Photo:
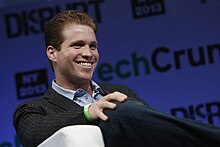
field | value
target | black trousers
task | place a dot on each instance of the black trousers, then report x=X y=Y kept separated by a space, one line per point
x=133 y=124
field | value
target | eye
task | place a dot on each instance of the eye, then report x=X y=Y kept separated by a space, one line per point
x=77 y=45
x=93 y=46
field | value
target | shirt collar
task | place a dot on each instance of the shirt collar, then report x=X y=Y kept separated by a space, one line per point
x=96 y=89
x=70 y=93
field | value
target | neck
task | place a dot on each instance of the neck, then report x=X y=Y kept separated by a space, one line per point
x=85 y=86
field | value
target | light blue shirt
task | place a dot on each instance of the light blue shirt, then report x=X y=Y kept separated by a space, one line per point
x=80 y=96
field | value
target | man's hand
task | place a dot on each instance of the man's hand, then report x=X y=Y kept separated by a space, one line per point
x=96 y=109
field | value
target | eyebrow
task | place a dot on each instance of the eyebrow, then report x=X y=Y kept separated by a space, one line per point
x=81 y=41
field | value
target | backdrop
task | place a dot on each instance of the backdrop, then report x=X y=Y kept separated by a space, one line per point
x=166 y=51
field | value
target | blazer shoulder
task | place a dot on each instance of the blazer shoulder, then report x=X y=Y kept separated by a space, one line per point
x=112 y=87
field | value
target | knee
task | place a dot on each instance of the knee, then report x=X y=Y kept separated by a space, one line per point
x=126 y=109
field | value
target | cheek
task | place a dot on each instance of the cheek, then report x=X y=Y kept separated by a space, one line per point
x=70 y=55
x=63 y=58
x=97 y=55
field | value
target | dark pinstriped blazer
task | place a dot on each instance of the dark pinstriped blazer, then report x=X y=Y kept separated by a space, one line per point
x=36 y=120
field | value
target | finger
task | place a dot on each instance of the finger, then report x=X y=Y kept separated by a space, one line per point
x=118 y=96
x=108 y=105
x=96 y=109
x=102 y=116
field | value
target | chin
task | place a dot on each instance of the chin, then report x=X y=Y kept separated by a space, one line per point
x=85 y=78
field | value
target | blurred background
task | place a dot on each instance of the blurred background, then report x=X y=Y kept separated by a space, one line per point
x=168 y=52
x=11 y=3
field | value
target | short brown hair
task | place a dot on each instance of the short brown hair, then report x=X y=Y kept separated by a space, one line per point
x=53 y=29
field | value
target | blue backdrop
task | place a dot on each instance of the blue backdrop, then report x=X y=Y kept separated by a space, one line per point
x=166 y=51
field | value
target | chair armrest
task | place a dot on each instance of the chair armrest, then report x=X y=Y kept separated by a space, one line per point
x=75 y=136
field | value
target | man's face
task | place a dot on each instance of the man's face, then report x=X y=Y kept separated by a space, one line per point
x=78 y=57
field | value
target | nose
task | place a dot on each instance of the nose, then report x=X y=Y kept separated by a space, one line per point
x=86 y=51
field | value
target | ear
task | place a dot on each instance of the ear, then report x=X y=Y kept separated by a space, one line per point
x=51 y=53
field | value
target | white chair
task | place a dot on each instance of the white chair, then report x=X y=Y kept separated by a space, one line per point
x=75 y=136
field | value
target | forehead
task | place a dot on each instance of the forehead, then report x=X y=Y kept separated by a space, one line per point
x=76 y=30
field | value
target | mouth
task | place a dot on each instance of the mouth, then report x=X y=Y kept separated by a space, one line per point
x=85 y=64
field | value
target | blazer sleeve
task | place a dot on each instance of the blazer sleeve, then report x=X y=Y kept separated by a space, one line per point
x=35 y=121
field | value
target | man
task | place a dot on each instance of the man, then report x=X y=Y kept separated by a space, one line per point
x=73 y=98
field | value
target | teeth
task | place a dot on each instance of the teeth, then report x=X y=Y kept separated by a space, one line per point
x=85 y=64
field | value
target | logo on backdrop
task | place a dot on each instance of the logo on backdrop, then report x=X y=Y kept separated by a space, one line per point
x=31 y=83
x=173 y=60
x=208 y=111
x=145 y=8
x=32 y=21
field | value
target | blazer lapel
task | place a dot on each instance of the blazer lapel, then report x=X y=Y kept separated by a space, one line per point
x=53 y=97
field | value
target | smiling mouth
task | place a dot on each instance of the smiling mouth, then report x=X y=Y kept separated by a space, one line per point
x=85 y=64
